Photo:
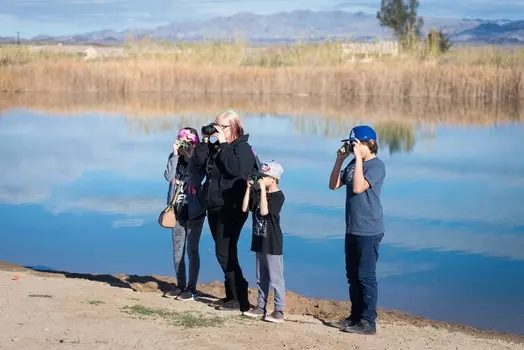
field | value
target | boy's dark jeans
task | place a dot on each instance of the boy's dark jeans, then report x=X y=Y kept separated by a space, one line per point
x=361 y=262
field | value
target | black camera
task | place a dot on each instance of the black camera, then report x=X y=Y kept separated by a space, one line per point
x=209 y=129
x=255 y=174
x=346 y=147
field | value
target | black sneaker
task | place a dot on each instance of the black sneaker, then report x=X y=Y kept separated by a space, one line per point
x=231 y=305
x=186 y=295
x=343 y=323
x=173 y=293
x=361 y=327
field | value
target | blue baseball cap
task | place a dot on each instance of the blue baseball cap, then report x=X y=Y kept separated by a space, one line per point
x=361 y=132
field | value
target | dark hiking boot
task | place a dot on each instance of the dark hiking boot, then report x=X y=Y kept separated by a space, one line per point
x=361 y=327
x=231 y=305
x=343 y=323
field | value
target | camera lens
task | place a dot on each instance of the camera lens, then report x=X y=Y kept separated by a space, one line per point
x=209 y=129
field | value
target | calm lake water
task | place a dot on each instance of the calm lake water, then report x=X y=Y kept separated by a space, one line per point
x=82 y=193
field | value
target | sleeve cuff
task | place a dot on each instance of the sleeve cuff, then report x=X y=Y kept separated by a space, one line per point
x=367 y=180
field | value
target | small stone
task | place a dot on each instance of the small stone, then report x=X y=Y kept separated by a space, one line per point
x=15 y=339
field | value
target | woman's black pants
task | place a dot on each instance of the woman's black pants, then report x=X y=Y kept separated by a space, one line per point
x=226 y=224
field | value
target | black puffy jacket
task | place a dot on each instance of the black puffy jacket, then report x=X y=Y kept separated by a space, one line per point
x=227 y=167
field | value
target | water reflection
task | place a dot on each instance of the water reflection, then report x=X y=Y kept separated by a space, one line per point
x=395 y=136
x=153 y=105
x=399 y=137
x=91 y=183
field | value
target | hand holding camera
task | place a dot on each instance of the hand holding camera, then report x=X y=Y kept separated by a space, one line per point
x=209 y=129
x=356 y=149
x=181 y=146
x=213 y=129
x=344 y=151
x=264 y=182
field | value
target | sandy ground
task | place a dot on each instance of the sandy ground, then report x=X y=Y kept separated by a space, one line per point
x=52 y=311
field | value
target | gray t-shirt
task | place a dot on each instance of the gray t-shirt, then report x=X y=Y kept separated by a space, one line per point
x=363 y=211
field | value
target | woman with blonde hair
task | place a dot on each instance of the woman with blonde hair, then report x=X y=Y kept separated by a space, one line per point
x=228 y=162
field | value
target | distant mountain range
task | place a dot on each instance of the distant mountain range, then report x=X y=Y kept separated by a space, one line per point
x=298 y=25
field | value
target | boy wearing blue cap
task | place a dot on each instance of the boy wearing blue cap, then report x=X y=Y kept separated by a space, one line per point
x=363 y=178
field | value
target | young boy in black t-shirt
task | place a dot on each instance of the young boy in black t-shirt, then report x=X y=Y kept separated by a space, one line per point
x=265 y=203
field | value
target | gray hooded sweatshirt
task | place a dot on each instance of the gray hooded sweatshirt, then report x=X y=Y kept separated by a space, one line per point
x=190 y=177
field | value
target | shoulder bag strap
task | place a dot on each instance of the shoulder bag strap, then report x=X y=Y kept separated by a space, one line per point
x=179 y=188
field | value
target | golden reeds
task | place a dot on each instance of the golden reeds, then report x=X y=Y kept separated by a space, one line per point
x=487 y=75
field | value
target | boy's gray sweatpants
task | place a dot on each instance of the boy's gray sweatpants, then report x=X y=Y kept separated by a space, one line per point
x=187 y=234
x=270 y=273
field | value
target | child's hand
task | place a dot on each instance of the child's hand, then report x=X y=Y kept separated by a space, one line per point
x=342 y=152
x=265 y=181
x=356 y=149
x=250 y=183
x=262 y=183
x=176 y=145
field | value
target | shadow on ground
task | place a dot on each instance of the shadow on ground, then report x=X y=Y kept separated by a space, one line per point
x=133 y=282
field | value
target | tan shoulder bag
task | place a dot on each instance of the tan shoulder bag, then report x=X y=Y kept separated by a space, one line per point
x=167 y=217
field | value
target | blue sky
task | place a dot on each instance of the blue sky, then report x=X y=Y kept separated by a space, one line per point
x=54 y=17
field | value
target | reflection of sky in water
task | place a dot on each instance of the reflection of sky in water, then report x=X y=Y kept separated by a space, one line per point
x=83 y=194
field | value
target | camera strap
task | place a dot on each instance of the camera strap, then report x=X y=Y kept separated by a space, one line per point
x=211 y=160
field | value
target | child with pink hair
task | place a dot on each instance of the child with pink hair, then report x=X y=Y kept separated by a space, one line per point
x=190 y=211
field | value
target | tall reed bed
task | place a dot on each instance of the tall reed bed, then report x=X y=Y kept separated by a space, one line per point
x=301 y=69
x=398 y=82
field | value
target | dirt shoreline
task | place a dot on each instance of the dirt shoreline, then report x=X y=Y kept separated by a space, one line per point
x=323 y=310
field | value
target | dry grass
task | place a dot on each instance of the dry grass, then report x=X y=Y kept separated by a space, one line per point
x=464 y=75
x=511 y=57
x=185 y=319
x=399 y=83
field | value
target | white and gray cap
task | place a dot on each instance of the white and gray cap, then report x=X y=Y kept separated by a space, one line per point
x=272 y=168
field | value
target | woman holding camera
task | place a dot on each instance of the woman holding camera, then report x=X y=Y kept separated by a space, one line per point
x=190 y=211
x=228 y=162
